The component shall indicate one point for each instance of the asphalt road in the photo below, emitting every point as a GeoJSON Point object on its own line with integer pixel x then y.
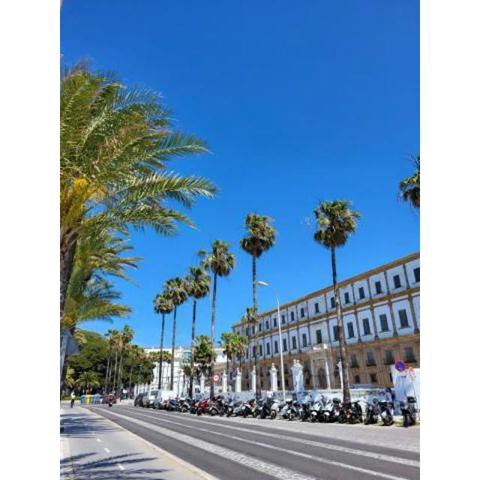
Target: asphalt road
{"type": "Point", "coordinates": [235, 449]}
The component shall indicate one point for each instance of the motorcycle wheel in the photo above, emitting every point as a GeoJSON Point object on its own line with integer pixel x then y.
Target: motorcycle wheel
{"type": "Point", "coordinates": [388, 421]}
{"type": "Point", "coordinates": [273, 414]}
{"type": "Point", "coordinates": [290, 417]}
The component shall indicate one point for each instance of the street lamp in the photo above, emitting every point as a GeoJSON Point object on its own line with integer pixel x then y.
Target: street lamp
{"type": "Point", "coordinates": [282, 373]}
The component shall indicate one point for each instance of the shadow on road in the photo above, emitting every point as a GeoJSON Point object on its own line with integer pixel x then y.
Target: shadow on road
{"type": "Point", "coordinates": [85, 467]}
{"type": "Point", "coordinates": [80, 425]}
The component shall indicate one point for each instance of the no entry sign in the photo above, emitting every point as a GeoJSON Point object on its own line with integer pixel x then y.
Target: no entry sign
{"type": "Point", "coordinates": [400, 366]}
{"type": "Point", "coordinates": [216, 377]}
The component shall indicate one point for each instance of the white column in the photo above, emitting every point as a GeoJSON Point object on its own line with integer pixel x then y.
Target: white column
{"type": "Point", "coordinates": [202, 383]}
{"type": "Point", "coordinates": [253, 381]}
{"type": "Point", "coordinates": [327, 373]}
{"type": "Point", "coordinates": [224, 382]}
{"type": "Point", "coordinates": [273, 378]}
{"type": "Point", "coordinates": [341, 374]}
{"type": "Point", "coordinates": [238, 381]}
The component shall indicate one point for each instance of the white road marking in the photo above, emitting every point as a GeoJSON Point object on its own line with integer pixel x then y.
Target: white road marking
{"type": "Point", "coordinates": [314, 443]}
{"type": "Point", "coordinates": [245, 460]}
{"type": "Point", "coordinates": [107, 450]}
{"type": "Point", "coordinates": [98, 440]}
{"type": "Point", "coordinates": [119, 465]}
{"type": "Point", "coordinates": [291, 452]}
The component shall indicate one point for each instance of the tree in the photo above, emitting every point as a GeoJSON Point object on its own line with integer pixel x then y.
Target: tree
{"type": "Point", "coordinates": [260, 238]}
{"type": "Point", "coordinates": [232, 344]}
{"type": "Point", "coordinates": [88, 381]}
{"type": "Point", "coordinates": [336, 222]}
{"type": "Point", "coordinates": [163, 305]}
{"type": "Point", "coordinates": [114, 145]}
{"type": "Point", "coordinates": [198, 287]}
{"type": "Point", "coordinates": [410, 186]}
{"type": "Point", "coordinates": [220, 261]}
{"type": "Point", "coordinates": [203, 355]}
{"type": "Point", "coordinates": [175, 290]}
{"type": "Point", "coordinates": [126, 336]}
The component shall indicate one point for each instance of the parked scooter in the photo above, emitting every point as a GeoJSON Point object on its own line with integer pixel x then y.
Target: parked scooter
{"type": "Point", "coordinates": [372, 413]}
{"type": "Point", "coordinates": [353, 412]}
{"type": "Point", "coordinates": [386, 413]}
{"type": "Point", "coordinates": [409, 411]}
{"type": "Point", "coordinates": [217, 406]}
{"type": "Point", "coordinates": [248, 408]}
{"type": "Point", "coordinates": [291, 409]}
{"type": "Point", "coordinates": [306, 409]}
{"type": "Point", "coordinates": [202, 407]}
{"type": "Point", "coordinates": [270, 408]}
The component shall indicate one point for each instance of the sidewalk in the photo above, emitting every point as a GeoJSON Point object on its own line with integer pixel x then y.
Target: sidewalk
{"type": "Point", "coordinates": [91, 447]}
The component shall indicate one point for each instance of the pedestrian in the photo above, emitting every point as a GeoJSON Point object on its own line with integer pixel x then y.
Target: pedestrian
{"type": "Point", "coordinates": [72, 398]}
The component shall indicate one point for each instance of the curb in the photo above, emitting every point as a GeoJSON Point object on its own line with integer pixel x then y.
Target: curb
{"type": "Point", "coordinates": [180, 461]}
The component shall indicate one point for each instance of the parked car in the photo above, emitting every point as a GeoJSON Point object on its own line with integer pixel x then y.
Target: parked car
{"type": "Point", "coordinates": [149, 398]}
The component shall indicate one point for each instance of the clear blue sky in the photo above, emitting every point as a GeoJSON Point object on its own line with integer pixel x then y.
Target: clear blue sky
{"type": "Point", "coordinates": [298, 101]}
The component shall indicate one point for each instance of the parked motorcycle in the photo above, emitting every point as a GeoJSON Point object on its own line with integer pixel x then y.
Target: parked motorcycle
{"type": "Point", "coordinates": [217, 406]}
{"type": "Point", "coordinates": [202, 407]}
{"type": "Point", "coordinates": [372, 413]}
{"type": "Point", "coordinates": [353, 412]}
{"type": "Point", "coordinates": [291, 409]}
{"type": "Point", "coordinates": [248, 408]}
{"type": "Point", "coordinates": [409, 411]}
{"type": "Point", "coordinates": [270, 408]}
{"type": "Point", "coordinates": [386, 414]}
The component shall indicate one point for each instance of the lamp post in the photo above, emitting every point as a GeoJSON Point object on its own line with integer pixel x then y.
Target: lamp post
{"type": "Point", "coordinates": [282, 373]}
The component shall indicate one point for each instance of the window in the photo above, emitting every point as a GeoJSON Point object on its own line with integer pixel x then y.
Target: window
{"type": "Point", "coordinates": [347, 297]}
{"type": "Point", "coordinates": [268, 349]}
{"type": "Point", "coordinates": [276, 346]}
{"type": "Point", "coordinates": [253, 330]}
{"type": "Point", "coordinates": [247, 331]}
{"type": "Point", "coordinates": [336, 332]}
{"type": "Point", "coordinates": [370, 359]}
{"type": "Point", "coordinates": [389, 360]}
{"type": "Point", "coordinates": [361, 293]}
{"type": "Point", "coordinates": [246, 353]}
{"type": "Point", "coordinates": [378, 287]}
{"type": "Point", "coordinates": [373, 378]}
{"type": "Point", "coordinates": [304, 339]}
{"type": "Point", "coordinates": [302, 312]}
{"type": "Point", "coordinates": [317, 308]}
{"type": "Point", "coordinates": [285, 345]}
{"type": "Point", "coordinates": [260, 327]}
{"type": "Point", "coordinates": [351, 332]}
{"type": "Point", "coordinates": [267, 325]}
{"type": "Point", "coordinates": [261, 350]}
{"type": "Point", "coordinates": [319, 336]}
{"type": "Point", "coordinates": [416, 274]}
{"type": "Point", "coordinates": [275, 322]}
{"type": "Point", "coordinates": [261, 371]}
{"type": "Point", "coordinates": [357, 378]}
{"type": "Point", "coordinates": [292, 316]}
{"type": "Point", "coordinates": [354, 361]}
{"type": "Point", "coordinates": [403, 319]}
{"type": "Point", "coordinates": [366, 327]}
{"type": "Point", "coordinates": [294, 343]}
{"type": "Point", "coordinates": [409, 355]}
{"type": "Point", "coordinates": [396, 281]}
{"type": "Point", "coordinates": [254, 351]}
{"type": "Point", "coordinates": [332, 302]}
{"type": "Point", "coordinates": [383, 323]}
{"type": "Point", "coordinates": [283, 319]}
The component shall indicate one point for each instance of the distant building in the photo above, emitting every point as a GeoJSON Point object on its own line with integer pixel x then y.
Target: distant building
{"type": "Point", "coordinates": [381, 318]}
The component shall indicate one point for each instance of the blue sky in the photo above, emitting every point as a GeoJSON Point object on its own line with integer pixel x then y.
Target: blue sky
{"type": "Point", "coordinates": [298, 101]}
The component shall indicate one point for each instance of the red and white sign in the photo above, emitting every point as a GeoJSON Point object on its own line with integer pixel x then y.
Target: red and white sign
{"type": "Point", "coordinates": [216, 377]}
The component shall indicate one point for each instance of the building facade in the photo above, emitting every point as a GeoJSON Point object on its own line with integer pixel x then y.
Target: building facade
{"type": "Point", "coordinates": [381, 318]}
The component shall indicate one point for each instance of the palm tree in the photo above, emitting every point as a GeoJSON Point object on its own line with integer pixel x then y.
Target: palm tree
{"type": "Point", "coordinates": [410, 187]}
{"type": "Point", "coordinates": [114, 146]}
{"type": "Point", "coordinates": [220, 261]}
{"type": "Point", "coordinates": [126, 336]}
{"type": "Point", "coordinates": [336, 222]}
{"type": "Point", "coordinates": [198, 286]}
{"type": "Point", "coordinates": [175, 290]}
{"type": "Point", "coordinates": [163, 305]}
{"type": "Point", "coordinates": [88, 381]}
{"type": "Point", "coordinates": [260, 238]}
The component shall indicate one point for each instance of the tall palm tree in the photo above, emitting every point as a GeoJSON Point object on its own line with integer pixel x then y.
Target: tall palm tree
{"type": "Point", "coordinates": [336, 222]}
{"type": "Point", "coordinates": [126, 336]}
{"type": "Point", "coordinates": [163, 305]}
{"type": "Point", "coordinates": [88, 381]}
{"type": "Point", "coordinates": [175, 290]}
{"type": "Point", "coordinates": [198, 286]}
{"type": "Point", "coordinates": [114, 146]}
{"type": "Point", "coordinates": [220, 261]}
{"type": "Point", "coordinates": [410, 186]}
{"type": "Point", "coordinates": [260, 238]}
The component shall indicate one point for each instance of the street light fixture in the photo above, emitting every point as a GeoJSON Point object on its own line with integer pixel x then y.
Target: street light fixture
{"type": "Point", "coordinates": [282, 373]}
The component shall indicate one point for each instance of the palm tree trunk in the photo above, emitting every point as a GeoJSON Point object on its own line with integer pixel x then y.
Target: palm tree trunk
{"type": "Point", "coordinates": [255, 346]}
{"type": "Point", "coordinates": [160, 360]}
{"type": "Point", "coordinates": [212, 339]}
{"type": "Point", "coordinates": [68, 246]}
{"type": "Point", "coordinates": [108, 371]}
{"type": "Point", "coordinates": [190, 389]}
{"type": "Point", "coordinates": [130, 382]}
{"type": "Point", "coordinates": [173, 346]}
{"type": "Point", "coordinates": [115, 372]}
{"type": "Point", "coordinates": [341, 335]}
{"type": "Point", "coordinates": [120, 368]}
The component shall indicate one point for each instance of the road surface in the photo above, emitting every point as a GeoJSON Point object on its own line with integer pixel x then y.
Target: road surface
{"type": "Point", "coordinates": [254, 449]}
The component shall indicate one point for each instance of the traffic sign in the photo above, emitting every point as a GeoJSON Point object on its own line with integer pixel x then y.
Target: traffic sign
{"type": "Point", "coordinates": [216, 377]}
{"type": "Point", "coordinates": [400, 366]}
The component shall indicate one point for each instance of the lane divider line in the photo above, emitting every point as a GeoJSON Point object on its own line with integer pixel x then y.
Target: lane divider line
{"type": "Point", "coordinates": [107, 450]}
{"type": "Point", "coordinates": [120, 466]}
{"type": "Point", "coordinates": [291, 452]}
{"type": "Point", "coordinates": [245, 460]}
